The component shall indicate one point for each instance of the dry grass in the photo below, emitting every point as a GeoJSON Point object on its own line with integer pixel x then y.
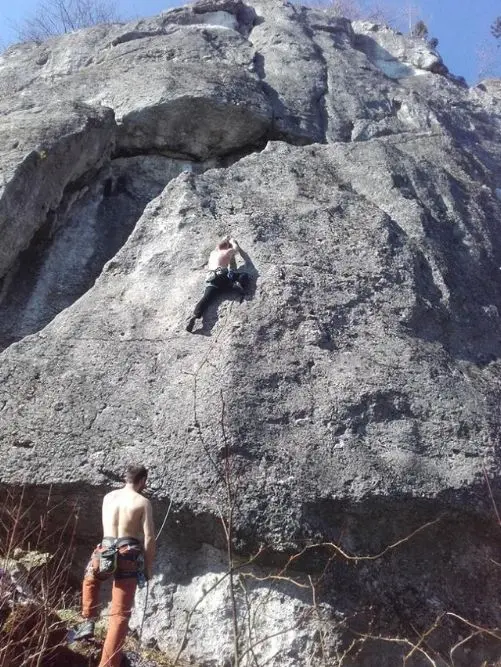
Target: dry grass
{"type": "Point", "coordinates": [35, 563]}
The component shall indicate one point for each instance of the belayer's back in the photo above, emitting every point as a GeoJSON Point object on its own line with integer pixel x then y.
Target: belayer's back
{"type": "Point", "coordinates": [123, 513]}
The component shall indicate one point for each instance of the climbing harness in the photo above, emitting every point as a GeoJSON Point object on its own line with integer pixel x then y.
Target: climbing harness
{"type": "Point", "coordinates": [108, 561]}
{"type": "Point", "coordinates": [221, 276]}
{"type": "Point", "coordinates": [217, 275]}
{"type": "Point", "coordinates": [104, 560]}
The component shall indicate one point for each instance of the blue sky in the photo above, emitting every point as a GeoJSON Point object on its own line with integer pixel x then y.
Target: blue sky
{"type": "Point", "coordinates": [461, 26]}
{"type": "Point", "coordinates": [463, 30]}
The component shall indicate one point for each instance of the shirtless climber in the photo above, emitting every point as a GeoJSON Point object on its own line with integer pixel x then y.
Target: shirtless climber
{"type": "Point", "coordinates": [222, 276]}
{"type": "Point", "coordinates": [126, 514]}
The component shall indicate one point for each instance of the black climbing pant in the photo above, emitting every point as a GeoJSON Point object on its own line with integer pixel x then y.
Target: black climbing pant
{"type": "Point", "coordinates": [223, 281]}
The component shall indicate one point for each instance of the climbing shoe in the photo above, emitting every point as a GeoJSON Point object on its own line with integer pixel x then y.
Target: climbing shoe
{"type": "Point", "coordinates": [84, 631]}
{"type": "Point", "coordinates": [191, 324]}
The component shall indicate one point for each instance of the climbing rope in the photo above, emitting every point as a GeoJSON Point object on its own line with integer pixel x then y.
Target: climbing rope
{"type": "Point", "coordinates": [147, 581]}
{"type": "Point", "coordinates": [144, 611]}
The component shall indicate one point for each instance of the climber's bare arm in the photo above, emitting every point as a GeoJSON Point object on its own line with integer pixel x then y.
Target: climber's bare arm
{"type": "Point", "coordinates": [149, 539]}
{"type": "Point", "coordinates": [234, 244]}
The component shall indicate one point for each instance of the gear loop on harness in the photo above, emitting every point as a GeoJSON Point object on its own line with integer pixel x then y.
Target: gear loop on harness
{"type": "Point", "coordinates": [121, 557]}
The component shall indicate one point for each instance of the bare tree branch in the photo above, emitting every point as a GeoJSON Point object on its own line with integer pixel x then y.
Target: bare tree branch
{"type": "Point", "coordinates": [496, 28]}
{"type": "Point", "coordinates": [56, 17]}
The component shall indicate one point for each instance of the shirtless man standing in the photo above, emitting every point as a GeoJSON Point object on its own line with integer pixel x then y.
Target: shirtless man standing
{"type": "Point", "coordinates": [126, 514]}
{"type": "Point", "coordinates": [222, 276]}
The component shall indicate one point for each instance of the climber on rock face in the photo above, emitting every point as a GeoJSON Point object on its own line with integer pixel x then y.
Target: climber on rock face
{"type": "Point", "coordinates": [222, 276]}
{"type": "Point", "coordinates": [126, 514]}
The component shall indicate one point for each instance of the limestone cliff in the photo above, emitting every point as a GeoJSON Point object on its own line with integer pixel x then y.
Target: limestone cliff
{"type": "Point", "coordinates": [352, 398]}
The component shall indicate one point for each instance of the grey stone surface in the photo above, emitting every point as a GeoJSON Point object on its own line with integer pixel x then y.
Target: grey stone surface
{"type": "Point", "coordinates": [186, 90]}
{"type": "Point", "coordinates": [62, 263]}
{"type": "Point", "coordinates": [351, 399]}
{"type": "Point", "coordinates": [48, 150]}
{"type": "Point", "coordinates": [397, 55]}
{"type": "Point", "coordinates": [275, 616]}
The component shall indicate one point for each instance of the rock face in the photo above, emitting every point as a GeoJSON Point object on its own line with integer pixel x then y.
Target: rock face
{"type": "Point", "coordinates": [350, 402]}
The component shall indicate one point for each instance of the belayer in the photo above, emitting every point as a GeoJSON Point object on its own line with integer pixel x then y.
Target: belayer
{"type": "Point", "coordinates": [121, 554]}
{"type": "Point", "coordinates": [222, 276]}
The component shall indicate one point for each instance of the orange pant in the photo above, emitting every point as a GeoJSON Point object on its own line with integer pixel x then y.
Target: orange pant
{"type": "Point", "coordinates": [122, 601]}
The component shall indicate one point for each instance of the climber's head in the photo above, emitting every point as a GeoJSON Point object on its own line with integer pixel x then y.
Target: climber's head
{"type": "Point", "coordinates": [224, 243]}
{"type": "Point", "coordinates": [136, 475]}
